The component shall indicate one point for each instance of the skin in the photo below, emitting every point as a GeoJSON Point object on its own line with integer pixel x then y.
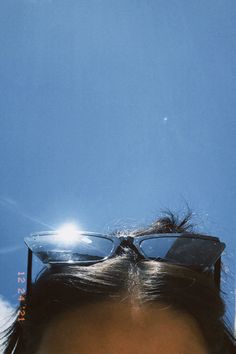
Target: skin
{"type": "Point", "coordinates": [121, 328]}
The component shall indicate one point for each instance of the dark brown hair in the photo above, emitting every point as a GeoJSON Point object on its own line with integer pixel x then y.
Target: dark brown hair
{"type": "Point", "coordinates": [62, 287]}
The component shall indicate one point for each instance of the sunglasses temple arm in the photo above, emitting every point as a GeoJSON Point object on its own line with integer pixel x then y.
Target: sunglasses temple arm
{"type": "Point", "coordinates": [217, 271]}
{"type": "Point", "coordinates": [29, 272]}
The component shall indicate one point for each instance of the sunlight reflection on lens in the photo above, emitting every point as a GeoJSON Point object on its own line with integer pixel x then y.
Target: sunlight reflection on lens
{"type": "Point", "coordinates": [70, 233]}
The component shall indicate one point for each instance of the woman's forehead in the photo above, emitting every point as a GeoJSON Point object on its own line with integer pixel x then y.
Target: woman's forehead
{"type": "Point", "coordinates": [114, 328]}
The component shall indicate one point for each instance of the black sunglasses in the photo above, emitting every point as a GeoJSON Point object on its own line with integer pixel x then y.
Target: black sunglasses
{"type": "Point", "coordinates": [196, 251]}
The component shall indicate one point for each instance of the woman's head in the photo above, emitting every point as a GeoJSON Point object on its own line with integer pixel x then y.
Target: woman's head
{"type": "Point", "coordinates": [123, 304]}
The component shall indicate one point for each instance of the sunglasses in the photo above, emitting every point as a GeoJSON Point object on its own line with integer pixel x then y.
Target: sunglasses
{"type": "Point", "coordinates": [198, 252]}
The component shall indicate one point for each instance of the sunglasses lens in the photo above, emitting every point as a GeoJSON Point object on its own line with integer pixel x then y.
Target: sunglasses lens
{"type": "Point", "coordinates": [79, 248]}
{"type": "Point", "coordinates": [181, 250]}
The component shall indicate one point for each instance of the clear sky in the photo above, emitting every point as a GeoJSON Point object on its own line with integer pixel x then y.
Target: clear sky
{"type": "Point", "coordinates": [111, 111]}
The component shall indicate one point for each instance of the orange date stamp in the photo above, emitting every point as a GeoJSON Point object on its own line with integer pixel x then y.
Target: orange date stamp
{"type": "Point", "coordinates": [22, 293]}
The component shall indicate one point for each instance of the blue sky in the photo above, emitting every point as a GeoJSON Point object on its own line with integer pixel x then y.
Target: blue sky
{"type": "Point", "coordinates": [111, 111]}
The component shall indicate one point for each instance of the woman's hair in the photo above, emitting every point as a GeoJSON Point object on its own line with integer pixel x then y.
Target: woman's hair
{"type": "Point", "coordinates": [62, 287]}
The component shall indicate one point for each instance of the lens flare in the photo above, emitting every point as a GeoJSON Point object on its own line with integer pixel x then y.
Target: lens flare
{"type": "Point", "coordinates": [68, 233]}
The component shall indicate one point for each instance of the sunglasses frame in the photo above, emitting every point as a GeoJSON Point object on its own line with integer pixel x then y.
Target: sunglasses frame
{"type": "Point", "coordinates": [130, 240]}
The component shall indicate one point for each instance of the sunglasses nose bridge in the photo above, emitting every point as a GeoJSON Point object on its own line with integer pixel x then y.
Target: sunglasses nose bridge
{"type": "Point", "coordinates": [128, 241]}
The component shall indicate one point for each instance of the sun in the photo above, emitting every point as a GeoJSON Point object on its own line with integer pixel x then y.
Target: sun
{"type": "Point", "coordinates": [68, 232]}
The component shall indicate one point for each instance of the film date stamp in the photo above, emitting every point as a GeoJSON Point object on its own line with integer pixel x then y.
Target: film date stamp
{"type": "Point", "coordinates": [21, 295]}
